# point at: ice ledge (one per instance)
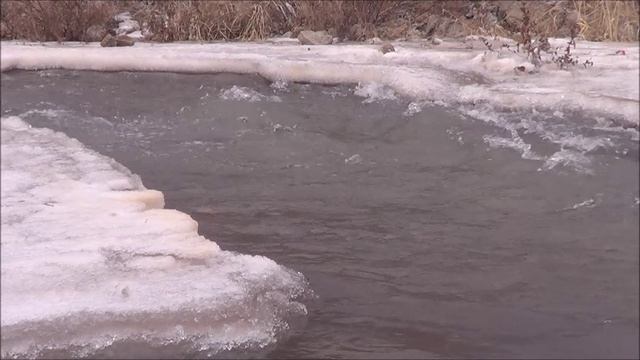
(91, 261)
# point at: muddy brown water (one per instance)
(418, 239)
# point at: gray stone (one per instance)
(108, 41)
(111, 41)
(124, 40)
(387, 48)
(314, 38)
(95, 33)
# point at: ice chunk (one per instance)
(92, 263)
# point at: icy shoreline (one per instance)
(91, 262)
(455, 72)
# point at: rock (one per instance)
(124, 40)
(308, 37)
(111, 41)
(335, 40)
(387, 47)
(287, 35)
(108, 41)
(436, 41)
(95, 33)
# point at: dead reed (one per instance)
(68, 20)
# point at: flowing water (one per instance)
(423, 232)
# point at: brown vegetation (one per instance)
(349, 20)
(53, 20)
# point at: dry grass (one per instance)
(609, 20)
(348, 19)
(212, 20)
(53, 20)
(597, 20)
(251, 20)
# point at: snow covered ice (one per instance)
(91, 262)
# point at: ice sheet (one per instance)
(92, 263)
(454, 72)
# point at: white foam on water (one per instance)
(373, 91)
(280, 85)
(589, 203)
(241, 93)
(515, 143)
(92, 263)
(413, 108)
(569, 158)
(353, 159)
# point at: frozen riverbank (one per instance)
(457, 73)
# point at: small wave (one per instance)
(240, 93)
(373, 92)
(569, 158)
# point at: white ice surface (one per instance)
(454, 72)
(91, 261)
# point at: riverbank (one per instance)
(166, 21)
(461, 73)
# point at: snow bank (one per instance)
(92, 263)
(453, 72)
